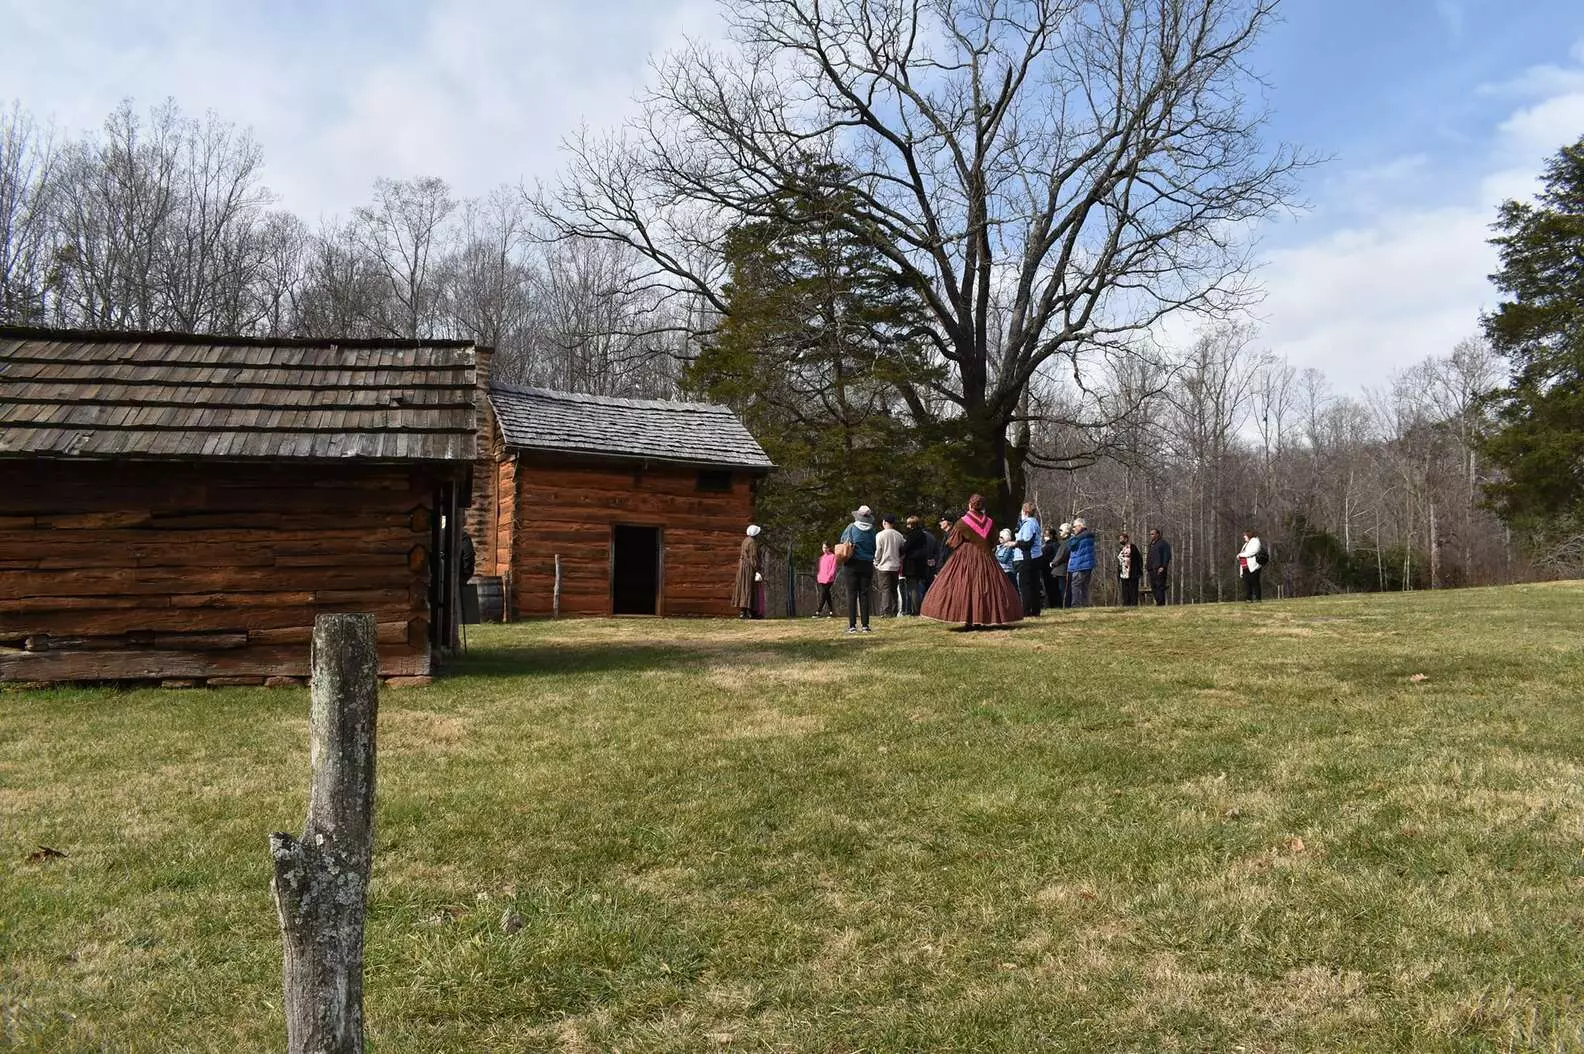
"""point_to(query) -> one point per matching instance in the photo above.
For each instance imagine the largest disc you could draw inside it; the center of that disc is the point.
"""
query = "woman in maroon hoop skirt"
(972, 589)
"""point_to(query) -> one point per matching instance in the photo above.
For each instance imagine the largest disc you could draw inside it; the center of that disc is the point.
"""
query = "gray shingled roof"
(640, 429)
(66, 393)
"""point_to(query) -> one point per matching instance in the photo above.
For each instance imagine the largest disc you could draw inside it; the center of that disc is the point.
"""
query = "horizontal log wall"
(145, 570)
(562, 508)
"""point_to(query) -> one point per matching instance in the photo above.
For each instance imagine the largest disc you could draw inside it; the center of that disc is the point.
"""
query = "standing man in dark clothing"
(1061, 546)
(915, 565)
(1159, 563)
(948, 518)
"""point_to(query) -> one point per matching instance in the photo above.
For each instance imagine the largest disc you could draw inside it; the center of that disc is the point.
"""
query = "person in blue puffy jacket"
(1080, 562)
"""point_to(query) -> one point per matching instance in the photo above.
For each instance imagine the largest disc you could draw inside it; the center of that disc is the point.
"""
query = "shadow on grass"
(542, 660)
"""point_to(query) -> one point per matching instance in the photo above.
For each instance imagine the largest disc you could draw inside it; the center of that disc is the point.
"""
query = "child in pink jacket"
(823, 578)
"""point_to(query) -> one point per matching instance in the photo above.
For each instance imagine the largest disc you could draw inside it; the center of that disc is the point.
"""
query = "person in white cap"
(748, 590)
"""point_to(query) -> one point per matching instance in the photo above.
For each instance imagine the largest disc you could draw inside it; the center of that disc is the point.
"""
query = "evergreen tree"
(1537, 437)
(817, 351)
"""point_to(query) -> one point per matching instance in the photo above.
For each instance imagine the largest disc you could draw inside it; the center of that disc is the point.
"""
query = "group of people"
(965, 576)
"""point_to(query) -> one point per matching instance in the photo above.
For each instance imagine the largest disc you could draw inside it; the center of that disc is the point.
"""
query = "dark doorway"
(635, 570)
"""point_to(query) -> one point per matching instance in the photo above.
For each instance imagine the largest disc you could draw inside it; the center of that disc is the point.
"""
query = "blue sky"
(1430, 112)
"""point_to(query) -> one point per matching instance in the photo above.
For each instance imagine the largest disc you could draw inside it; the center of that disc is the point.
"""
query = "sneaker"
(854, 629)
(864, 630)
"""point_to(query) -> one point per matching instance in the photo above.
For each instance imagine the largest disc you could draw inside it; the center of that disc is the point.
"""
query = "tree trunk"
(321, 881)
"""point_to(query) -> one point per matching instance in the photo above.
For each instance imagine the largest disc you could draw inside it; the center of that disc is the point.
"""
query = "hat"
(863, 513)
(753, 530)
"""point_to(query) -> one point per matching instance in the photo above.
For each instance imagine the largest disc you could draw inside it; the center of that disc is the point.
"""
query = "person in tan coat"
(748, 590)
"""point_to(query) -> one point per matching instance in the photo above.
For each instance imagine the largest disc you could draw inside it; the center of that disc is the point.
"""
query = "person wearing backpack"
(1251, 560)
(858, 543)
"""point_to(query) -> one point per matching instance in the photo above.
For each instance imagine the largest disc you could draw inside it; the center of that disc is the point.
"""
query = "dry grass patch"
(1104, 830)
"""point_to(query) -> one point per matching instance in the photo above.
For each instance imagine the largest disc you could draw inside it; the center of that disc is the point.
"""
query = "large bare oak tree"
(1050, 177)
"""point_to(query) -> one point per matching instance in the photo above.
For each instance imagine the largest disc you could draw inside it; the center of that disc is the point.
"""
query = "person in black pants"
(1159, 563)
(1251, 560)
(1130, 570)
(860, 534)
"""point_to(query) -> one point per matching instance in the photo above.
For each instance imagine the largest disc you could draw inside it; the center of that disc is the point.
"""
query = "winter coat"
(1058, 565)
(916, 552)
(862, 537)
(1080, 552)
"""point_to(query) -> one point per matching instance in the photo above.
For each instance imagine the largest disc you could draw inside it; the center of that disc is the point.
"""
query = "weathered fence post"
(321, 881)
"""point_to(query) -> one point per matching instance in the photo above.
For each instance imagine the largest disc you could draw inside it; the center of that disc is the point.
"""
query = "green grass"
(1215, 828)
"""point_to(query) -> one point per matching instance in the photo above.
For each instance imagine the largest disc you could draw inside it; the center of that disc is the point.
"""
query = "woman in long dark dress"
(971, 588)
(748, 588)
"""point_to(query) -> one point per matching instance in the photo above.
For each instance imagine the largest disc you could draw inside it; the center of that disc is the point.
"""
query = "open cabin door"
(635, 570)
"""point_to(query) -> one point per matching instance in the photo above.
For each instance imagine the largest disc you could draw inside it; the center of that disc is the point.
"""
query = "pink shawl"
(979, 524)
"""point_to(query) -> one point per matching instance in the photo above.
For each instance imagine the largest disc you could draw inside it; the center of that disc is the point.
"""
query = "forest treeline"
(160, 221)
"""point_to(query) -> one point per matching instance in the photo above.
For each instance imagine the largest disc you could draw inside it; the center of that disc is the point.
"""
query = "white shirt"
(1253, 552)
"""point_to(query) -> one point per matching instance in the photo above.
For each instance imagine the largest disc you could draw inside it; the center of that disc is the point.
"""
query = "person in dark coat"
(1048, 587)
(1130, 570)
(747, 589)
(1158, 561)
(943, 551)
(1061, 547)
(915, 565)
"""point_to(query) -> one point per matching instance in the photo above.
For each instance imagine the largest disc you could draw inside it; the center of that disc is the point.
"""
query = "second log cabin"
(596, 506)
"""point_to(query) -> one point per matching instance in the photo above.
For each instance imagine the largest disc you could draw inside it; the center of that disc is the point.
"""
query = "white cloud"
(479, 92)
(1398, 280)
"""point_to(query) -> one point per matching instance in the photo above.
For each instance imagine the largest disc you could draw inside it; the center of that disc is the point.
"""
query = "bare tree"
(342, 291)
(487, 281)
(1210, 400)
(595, 327)
(401, 233)
(27, 183)
(1084, 160)
(117, 197)
(211, 255)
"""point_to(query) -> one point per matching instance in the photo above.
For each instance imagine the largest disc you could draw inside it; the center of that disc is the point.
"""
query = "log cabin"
(595, 506)
(178, 508)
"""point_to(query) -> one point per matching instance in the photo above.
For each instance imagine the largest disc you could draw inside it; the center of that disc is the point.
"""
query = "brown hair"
(976, 503)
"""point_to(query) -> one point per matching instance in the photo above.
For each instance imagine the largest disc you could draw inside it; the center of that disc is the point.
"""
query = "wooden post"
(791, 582)
(555, 594)
(321, 881)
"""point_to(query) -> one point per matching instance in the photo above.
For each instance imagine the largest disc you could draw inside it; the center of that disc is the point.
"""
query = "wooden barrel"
(491, 598)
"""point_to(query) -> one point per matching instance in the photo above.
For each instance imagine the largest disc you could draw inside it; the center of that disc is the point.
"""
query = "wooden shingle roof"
(66, 393)
(629, 429)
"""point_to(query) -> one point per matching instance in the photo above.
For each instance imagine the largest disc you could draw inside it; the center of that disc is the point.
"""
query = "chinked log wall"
(209, 572)
(555, 507)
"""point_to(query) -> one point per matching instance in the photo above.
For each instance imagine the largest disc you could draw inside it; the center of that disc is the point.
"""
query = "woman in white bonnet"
(748, 590)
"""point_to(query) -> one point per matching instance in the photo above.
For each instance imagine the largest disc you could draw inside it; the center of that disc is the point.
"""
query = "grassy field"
(1335, 824)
